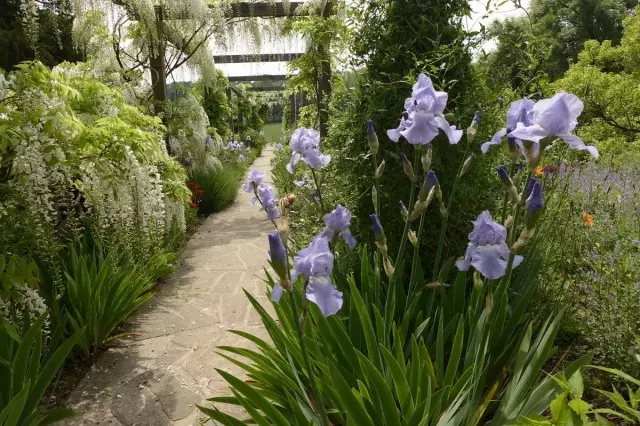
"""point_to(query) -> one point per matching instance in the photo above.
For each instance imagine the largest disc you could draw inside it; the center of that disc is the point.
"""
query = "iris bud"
(403, 211)
(408, 168)
(380, 170)
(473, 128)
(430, 182)
(413, 239)
(388, 267)
(425, 158)
(466, 165)
(374, 198)
(372, 137)
(378, 232)
(535, 205)
(278, 254)
(508, 183)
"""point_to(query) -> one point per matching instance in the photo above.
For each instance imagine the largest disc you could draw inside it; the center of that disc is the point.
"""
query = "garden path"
(158, 376)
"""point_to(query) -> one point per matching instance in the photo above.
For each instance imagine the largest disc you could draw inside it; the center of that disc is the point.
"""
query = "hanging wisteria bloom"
(554, 118)
(339, 220)
(321, 291)
(254, 179)
(269, 202)
(488, 251)
(519, 112)
(305, 146)
(423, 117)
(314, 260)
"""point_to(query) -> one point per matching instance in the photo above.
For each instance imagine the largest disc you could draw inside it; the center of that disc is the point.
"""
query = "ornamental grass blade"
(367, 326)
(400, 382)
(255, 397)
(356, 413)
(385, 396)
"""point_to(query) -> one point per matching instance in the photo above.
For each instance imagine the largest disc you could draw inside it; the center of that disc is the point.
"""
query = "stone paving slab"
(158, 376)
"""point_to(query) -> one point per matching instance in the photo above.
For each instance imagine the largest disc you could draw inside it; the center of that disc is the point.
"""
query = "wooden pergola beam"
(249, 78)
(263, 10)
(266, 89)
(265, 57)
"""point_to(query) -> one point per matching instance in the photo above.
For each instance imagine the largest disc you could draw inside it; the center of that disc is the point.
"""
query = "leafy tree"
(216, 104)
(541, 45)
(44, 33)
(606, 79)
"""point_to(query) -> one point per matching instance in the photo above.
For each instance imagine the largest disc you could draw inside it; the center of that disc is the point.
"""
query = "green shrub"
(220, 187)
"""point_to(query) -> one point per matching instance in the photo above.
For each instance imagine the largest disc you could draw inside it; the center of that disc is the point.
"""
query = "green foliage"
(102, 289)
(249, 111)
(461, 365)
(605, 77)
(25, 374)
(216, 104)
(541, 45)
(590, 267)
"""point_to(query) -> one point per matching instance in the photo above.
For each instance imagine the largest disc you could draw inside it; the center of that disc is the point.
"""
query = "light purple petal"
(423, 129)
(554, 115)
(463, 264)
(321, 291)
(532, 133)
(517, 111)
(276, 292)
(576, 143)
(452, 133)
(394, 134)
(349, 239)
(294, 160)
(495, 140)
(489, 262)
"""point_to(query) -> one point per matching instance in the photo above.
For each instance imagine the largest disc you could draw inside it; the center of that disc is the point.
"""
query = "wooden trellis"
(248, 10)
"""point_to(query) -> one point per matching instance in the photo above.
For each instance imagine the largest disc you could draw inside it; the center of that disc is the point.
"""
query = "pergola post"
(157, 65)
(324, 78)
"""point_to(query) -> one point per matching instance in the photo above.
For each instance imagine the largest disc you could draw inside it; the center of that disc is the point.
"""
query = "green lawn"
(272, 132)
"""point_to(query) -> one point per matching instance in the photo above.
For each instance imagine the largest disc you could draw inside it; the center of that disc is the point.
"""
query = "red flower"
(199, 192)
(192, 204)
(192, 184)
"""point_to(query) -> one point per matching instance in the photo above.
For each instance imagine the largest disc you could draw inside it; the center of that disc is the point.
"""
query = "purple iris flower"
(278, 255)
(314, 260)
(305, 144)
(240, 146)
(423, 118)
(321, 291)
(231, 146)
(529, 187)
(554, 118)
(339, 220)
(488, 251)
(519, 111)
(254, 179)
(278, 147)
(269, 201)
(240, 158)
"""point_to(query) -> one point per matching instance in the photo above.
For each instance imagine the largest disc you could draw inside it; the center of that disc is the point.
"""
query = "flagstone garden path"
(168, 365)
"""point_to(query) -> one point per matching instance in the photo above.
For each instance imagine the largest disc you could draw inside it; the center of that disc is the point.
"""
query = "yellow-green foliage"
(607, 79)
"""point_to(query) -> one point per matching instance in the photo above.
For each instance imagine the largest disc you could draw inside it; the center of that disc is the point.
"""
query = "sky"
(297, 44)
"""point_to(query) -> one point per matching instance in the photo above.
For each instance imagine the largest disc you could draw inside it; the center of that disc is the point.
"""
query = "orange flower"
(538, 171)
(587, 219)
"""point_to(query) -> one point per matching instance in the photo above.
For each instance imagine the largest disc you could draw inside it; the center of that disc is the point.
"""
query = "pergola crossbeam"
(265, 57)
(249, 78)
